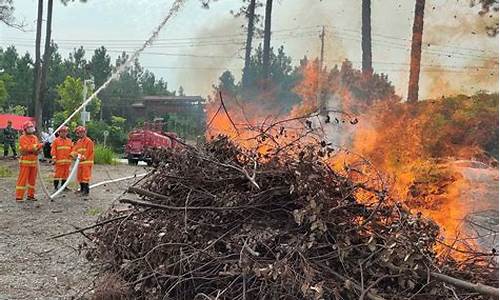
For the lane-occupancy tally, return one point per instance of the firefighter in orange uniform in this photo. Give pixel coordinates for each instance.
(84, 148)
(29, 148)
(61, 154)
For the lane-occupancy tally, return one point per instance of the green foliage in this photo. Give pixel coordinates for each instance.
(17, 76)
(283, 77)
(185, 125)
(3, 93)
(18, 110)
(100, 66)
(134, 82)
(462, 121)
(71, 97)
(117, 134)
(70, 93)
(104, 155)
(362, 92)
(94, 211)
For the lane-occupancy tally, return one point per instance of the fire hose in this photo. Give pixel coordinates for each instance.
(72, 175)
(44, 188)
(117, 180)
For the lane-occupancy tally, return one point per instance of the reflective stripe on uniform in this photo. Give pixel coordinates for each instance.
(63, 147)
(21, 187)
(86, 162)
(27, 162)
(60, 161)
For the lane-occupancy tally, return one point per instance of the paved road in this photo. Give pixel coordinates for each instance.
(480, 196)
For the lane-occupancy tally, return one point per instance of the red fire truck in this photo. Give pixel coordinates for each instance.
(150, 136)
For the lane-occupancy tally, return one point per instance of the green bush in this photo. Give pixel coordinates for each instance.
(117, 133)
(104, 155)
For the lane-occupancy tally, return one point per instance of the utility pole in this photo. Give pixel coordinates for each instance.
(85, 115)
(319, 96)
(416, 50)
(366, 38)
(322, 53)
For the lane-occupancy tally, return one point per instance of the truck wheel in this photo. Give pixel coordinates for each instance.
(132, 162)
(149, 162)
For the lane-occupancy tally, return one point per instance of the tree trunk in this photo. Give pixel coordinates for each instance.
(366, 38)
(46, 56)
(248, 46)
(267, 41)
(416, 50)
(37, 81)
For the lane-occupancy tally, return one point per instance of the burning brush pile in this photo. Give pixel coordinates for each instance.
(219, 222)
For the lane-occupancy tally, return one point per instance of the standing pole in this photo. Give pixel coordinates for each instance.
(38, 109)
(366, 38)
(46, 58)
(84, 110)
(322, 52)
(321, 99)
(416, 50)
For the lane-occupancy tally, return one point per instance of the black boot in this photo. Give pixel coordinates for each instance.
(56, 184)
(62, 183)
(86, 189)
(82, 188)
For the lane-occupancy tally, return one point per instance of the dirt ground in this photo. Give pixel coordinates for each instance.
(32, 267)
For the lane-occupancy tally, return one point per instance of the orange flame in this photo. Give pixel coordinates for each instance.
(399, 140)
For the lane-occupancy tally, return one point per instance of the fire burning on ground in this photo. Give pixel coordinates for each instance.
(404, 148)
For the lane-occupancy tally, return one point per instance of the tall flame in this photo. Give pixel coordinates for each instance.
(400, 143)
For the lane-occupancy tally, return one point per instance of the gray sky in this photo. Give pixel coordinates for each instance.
(198, 44)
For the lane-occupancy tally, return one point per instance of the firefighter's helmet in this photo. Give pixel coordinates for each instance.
(80, 129)
(27, 125)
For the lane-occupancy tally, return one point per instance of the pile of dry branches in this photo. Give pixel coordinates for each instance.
(219, 222)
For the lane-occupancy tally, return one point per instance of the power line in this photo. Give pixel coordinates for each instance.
(290, 32)
(392, 45)
(294, 59)
(383, 36)
(376, 43)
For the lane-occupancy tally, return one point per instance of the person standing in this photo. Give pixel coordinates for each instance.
(84, 148)
(46, 145)
(61, 155)
(9, 140)
(29, 147)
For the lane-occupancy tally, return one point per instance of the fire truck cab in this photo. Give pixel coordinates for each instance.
(141, 140)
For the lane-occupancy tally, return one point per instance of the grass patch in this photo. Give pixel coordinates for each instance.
(94, 211)
(5, 172)
(104, 155)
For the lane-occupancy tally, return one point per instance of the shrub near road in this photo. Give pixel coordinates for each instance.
(104, 155)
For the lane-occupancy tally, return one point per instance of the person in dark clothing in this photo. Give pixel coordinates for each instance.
(9, 140)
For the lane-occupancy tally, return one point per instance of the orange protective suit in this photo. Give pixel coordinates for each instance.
(61, 154)
(29, 147)
(84, 147)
